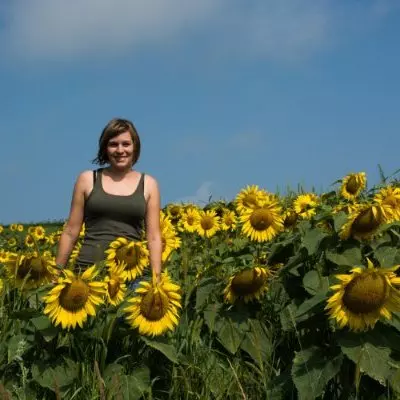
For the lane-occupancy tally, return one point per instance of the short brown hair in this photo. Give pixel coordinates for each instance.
(114, 128)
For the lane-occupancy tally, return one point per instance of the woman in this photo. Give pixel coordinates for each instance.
(115, 201)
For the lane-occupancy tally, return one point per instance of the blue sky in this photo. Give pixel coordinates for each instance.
(224, 93)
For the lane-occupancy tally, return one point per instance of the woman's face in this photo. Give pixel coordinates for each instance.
(120, 151)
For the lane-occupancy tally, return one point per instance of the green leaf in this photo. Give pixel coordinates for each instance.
(312, 370)
(312, 239)
(287, 317)
(25, 314)
(387, 256)
(350, 257)
(230, 335)
(162, 345)
(314, 283)
(204, 289)
(210, 315)
(17, 346)
(45, 327)
(129, 387)
(310, 306)
(257, 343)
(60, 375)
(372, 360)
(339, 220)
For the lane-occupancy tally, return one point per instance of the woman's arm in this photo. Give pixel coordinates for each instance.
(153, 232)
(73, 227)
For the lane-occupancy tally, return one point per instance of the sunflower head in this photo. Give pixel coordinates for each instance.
(290, 219)
(352, 185)
(74, 298)
(247, 285)
(154, 309)
(305, 205)
(116, 288)
(364, 222)
(389, 197)
(364, 296)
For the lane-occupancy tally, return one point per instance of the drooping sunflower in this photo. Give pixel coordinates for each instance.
(134, 255)
(208, 223)
(390, 196)
(353, 185)
(116, 288)
(74, 298)
(363, 223)
(249, 198)
(30, 270)
(247, 285)
(305, 205)
(228, 220)
(154, 308)
(264, 222)
(364, 296)
(189, 220)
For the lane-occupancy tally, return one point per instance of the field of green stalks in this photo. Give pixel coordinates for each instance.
(262, 297)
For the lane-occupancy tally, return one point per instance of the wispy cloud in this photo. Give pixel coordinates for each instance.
(202, 195)
(60, 29)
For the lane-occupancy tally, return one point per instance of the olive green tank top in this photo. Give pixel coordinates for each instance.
(107, 217)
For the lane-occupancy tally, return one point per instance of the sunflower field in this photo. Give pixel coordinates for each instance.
(262, 297)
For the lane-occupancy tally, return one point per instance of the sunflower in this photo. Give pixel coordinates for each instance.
(30, 270)
(116, 287)
(174, 211)
(134, 255)
(3, 256)
(228, 220)
(1, 229)
(154, 308)
(364, 222)
(170, 242)
(290, 219)
(29, 240)
(165, 222)
(364, 296)
(249, 198)
(263, 223)
(20, 227)
(189, 220)
(13, 227)
(39, 232)
(12, 242)
(74, 298)
(390, 196)
(75, 253)
(247, 285)
(208, 224)
(1, 286)
(347, 208)
(305, 205)
(352, 185)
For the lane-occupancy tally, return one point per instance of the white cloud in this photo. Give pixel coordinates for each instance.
(60, 29)
(202, 195)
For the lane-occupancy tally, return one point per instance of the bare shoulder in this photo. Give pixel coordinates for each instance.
(150, 186)
(84, 181)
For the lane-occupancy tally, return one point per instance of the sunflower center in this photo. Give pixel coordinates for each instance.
(154, 305)
(261, 219)
(366, 221)
(247, 282)
(366, 293)
(352, 185)
(190, 220)
(113, 287)
(391, 201)
(74, 296)
(207, 222)
(174, 211)
(129, 254)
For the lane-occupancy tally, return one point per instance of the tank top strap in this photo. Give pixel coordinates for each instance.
(97, 177)
(141, 183)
